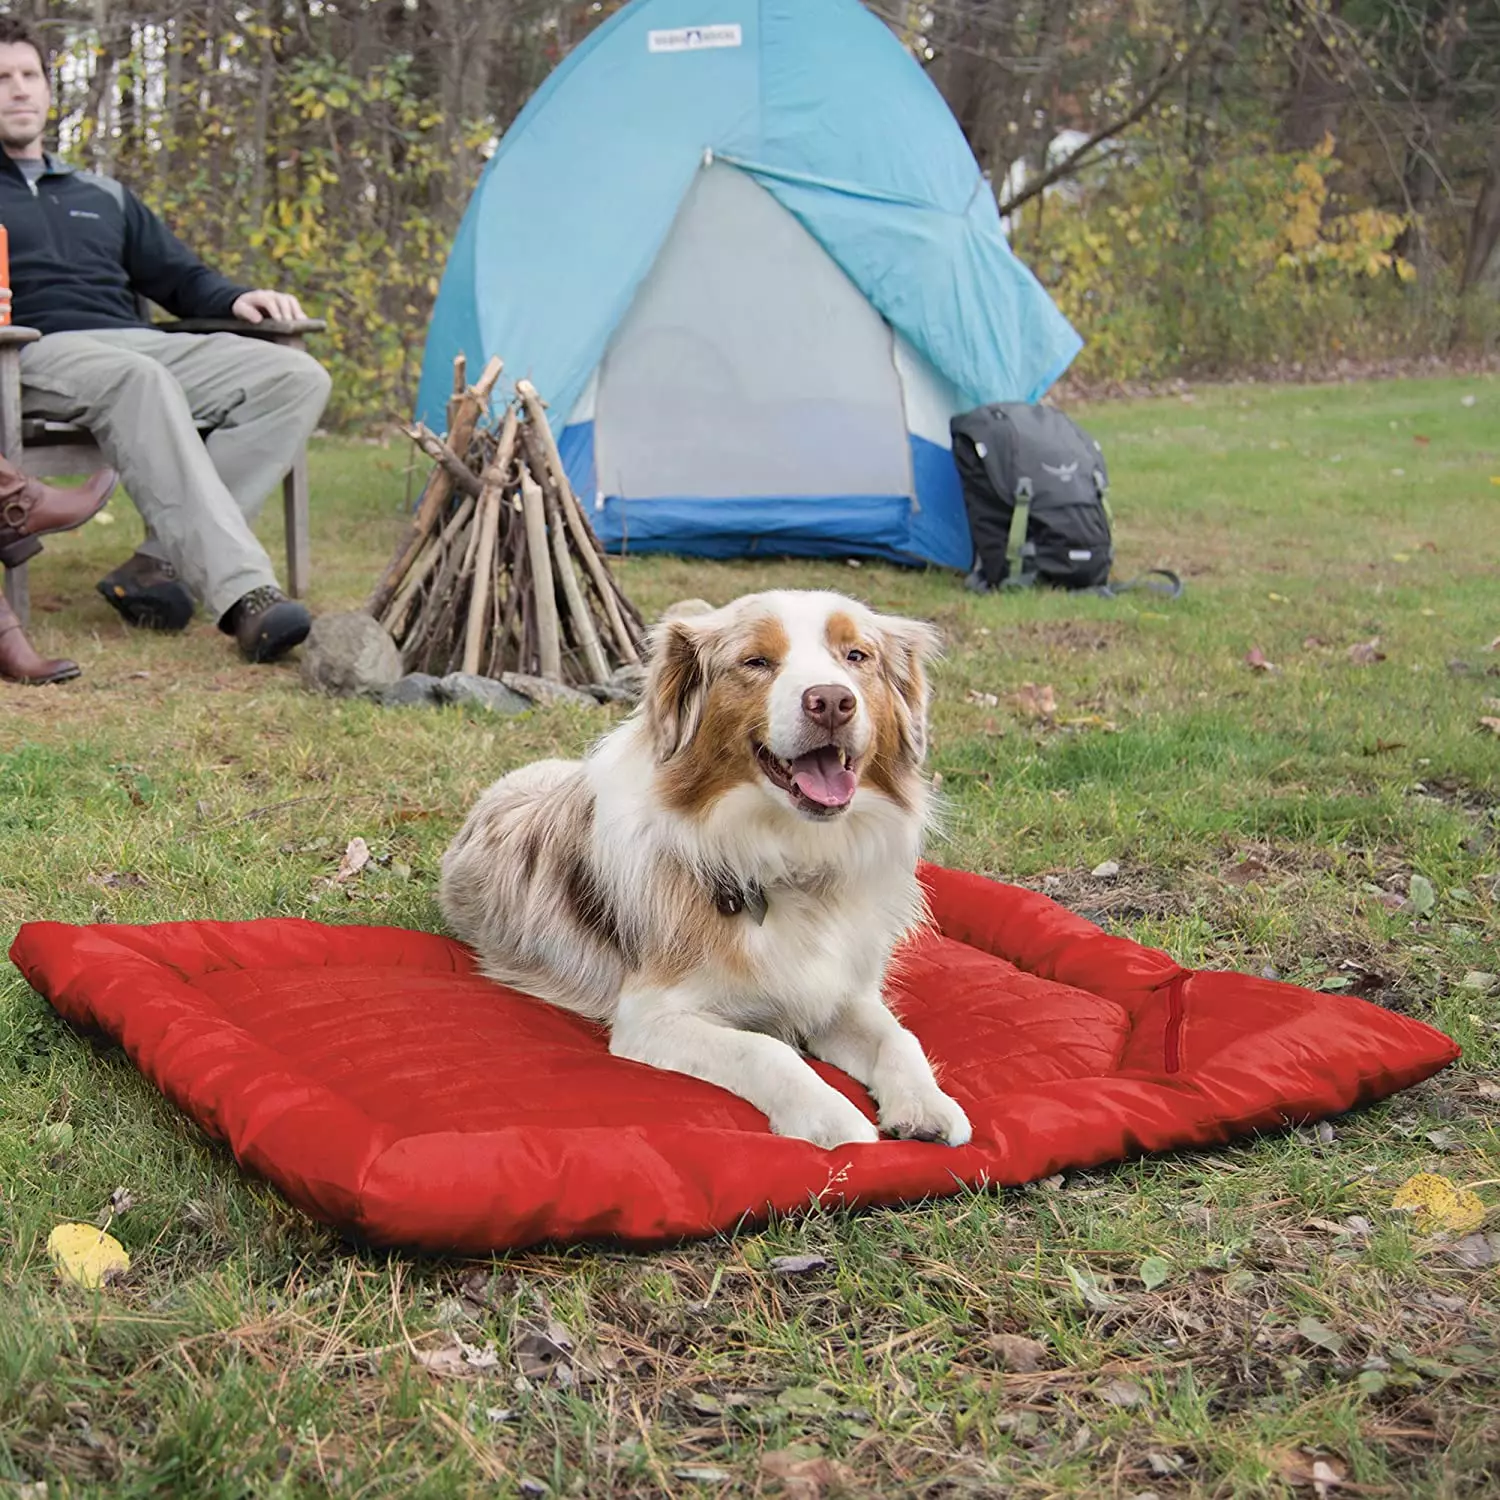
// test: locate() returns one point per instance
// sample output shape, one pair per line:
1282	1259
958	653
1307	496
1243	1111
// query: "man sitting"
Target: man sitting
81	247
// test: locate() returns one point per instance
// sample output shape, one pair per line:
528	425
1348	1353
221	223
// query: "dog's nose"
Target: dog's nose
828	704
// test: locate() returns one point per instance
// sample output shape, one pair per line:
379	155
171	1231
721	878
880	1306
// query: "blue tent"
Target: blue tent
744	252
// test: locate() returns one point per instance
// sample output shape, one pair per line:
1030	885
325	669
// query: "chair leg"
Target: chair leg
18	592
298	550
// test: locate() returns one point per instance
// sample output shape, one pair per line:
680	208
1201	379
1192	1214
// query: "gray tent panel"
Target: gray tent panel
748	365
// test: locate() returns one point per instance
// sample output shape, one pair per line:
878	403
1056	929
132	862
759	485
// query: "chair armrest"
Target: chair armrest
267	328
12	335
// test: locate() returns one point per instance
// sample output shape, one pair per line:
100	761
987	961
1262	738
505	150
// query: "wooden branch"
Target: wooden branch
549	646
484	573
425	629
459	473
395	617
583	536
505	447
471	406
509	620
578	613
460	365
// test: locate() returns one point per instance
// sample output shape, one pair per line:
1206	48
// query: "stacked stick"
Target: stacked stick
499	570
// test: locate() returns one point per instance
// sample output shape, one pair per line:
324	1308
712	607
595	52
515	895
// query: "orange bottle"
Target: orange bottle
4	273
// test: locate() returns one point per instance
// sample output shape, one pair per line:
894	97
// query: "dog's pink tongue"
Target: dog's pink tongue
823	778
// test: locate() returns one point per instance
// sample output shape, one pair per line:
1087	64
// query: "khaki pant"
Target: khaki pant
144	394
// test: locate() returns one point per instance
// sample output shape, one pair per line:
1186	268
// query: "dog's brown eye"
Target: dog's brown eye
856	656
759	663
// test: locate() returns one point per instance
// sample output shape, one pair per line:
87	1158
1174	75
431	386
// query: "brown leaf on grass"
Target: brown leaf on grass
1250	868
1033	702
1476	1251
1420	439
118	879
1366	653
546	1353
797	1265
356	857
1494	645
1255	659
1490	722
1123	1393
983	700
803	1477
457	1359
1312	642
1016	1352
1323	1473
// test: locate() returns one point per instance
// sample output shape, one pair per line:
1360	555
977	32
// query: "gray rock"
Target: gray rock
413	690
627	685
481	692
630	679
348	655
544	693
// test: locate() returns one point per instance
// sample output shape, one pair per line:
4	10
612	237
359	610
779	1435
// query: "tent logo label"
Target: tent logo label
693	38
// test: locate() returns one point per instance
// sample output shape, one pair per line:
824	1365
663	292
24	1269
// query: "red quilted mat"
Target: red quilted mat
383	1086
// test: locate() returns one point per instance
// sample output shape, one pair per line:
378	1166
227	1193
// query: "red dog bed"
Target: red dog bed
385	1087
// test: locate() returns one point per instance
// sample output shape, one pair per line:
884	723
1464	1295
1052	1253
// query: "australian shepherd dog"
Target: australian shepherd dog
724	879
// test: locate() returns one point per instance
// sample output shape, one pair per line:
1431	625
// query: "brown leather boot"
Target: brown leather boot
30	509
19	661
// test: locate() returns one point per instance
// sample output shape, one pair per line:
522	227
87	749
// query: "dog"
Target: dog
728	873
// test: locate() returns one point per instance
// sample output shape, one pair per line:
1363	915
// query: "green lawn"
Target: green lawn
1258	817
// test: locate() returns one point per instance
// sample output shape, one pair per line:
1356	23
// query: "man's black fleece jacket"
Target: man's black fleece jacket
82	246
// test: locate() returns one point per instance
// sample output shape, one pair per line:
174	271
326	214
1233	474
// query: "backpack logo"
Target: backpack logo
1065	472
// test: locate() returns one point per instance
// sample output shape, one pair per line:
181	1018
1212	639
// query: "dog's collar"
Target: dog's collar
733	897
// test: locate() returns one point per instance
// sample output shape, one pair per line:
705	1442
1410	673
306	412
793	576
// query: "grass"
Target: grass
1257	819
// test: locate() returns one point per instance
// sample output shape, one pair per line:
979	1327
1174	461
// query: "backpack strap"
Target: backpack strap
1170	586
1020	521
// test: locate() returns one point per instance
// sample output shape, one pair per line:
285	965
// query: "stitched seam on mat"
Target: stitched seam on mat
1176	1014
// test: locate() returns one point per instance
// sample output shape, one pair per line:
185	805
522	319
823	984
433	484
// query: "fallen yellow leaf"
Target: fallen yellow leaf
85	1254
1436	1202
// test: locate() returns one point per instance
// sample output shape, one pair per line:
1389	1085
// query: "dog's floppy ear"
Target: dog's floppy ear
676	686
908	646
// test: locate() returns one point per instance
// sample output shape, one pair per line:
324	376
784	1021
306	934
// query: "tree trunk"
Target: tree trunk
1482	249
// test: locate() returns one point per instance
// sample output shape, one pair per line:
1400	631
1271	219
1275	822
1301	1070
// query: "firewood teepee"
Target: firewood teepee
499	570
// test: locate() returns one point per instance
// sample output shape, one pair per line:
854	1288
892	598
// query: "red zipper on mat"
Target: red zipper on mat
1172	1043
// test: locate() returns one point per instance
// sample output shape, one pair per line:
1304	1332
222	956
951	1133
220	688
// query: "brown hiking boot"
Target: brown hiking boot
30	509
19	661
266	623
146	593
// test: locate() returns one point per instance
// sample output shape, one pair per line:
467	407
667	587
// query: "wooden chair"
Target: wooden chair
49	449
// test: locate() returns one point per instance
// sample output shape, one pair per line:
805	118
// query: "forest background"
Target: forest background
1207	187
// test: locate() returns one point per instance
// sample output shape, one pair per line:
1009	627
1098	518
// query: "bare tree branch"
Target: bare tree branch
1075	159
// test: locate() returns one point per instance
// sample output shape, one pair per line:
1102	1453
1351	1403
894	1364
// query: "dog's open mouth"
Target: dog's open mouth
821	782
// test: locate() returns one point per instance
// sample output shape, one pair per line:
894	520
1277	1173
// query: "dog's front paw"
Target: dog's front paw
927	1116
825	1121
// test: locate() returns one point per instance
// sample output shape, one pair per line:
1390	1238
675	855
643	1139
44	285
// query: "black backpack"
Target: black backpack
1036	489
